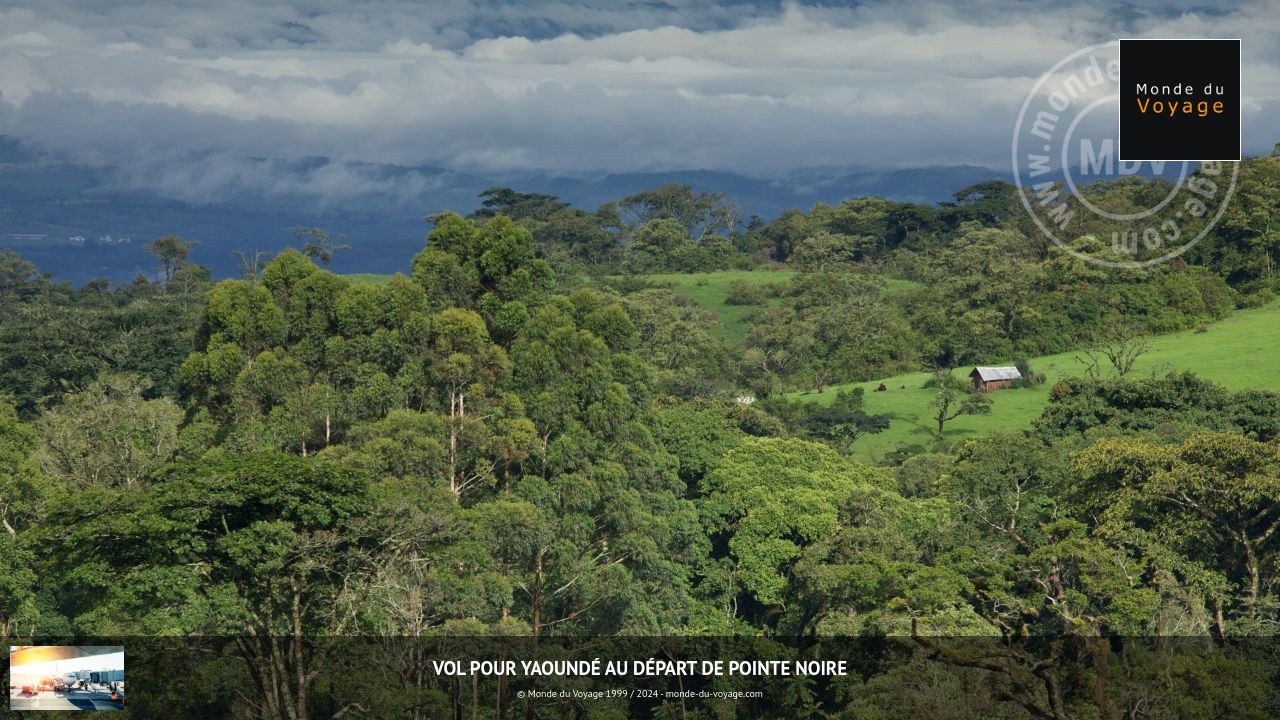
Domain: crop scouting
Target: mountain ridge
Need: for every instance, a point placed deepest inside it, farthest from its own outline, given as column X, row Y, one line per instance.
column 233, row 204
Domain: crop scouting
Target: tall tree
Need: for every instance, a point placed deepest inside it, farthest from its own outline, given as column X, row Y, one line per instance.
column 109, row 435
column 698, row 212
column 318, row 244
column 954, row 400
column 271, row 549
column 171, row 251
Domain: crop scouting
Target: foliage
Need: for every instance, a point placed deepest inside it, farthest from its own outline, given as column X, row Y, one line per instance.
column 109, row 435
column 498, row 445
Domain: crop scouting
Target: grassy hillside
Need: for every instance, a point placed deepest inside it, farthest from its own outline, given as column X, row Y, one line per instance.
column 709, row 290
column 370, row 278
column 1238, row 352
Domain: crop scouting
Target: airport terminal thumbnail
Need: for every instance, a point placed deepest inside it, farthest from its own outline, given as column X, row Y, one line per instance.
column 66, row 677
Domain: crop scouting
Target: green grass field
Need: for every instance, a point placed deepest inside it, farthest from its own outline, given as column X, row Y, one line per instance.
column 709, row 290
column 1238, row 352
column 369, row 278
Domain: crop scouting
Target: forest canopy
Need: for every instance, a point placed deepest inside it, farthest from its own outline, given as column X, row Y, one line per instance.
column 526, row 434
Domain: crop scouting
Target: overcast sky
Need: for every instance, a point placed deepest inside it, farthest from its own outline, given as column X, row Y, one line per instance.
column 754, row 87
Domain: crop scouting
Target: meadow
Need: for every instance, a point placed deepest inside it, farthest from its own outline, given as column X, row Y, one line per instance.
column 369, row 278
column 709, row 290
column 1238, row 352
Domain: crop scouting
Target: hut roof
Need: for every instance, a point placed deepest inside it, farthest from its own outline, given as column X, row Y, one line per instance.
column 996, row 373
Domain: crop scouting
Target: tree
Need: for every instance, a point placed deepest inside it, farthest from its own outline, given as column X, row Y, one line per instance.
column 952, row 402
column 18, row 586
column 50, row 345
column 517, row 205
column 1177, row 400
column 465, row 265
column 655, row 244
column 466, row 363
column 987, row 202
column 1122, row 342
column 879, row 570
column 1036, row 575
column 171, row 251
column 844, row 421
column 769, row 498
column 108, row 435
column 19, row 279
column 269, row 548
column 318, row 244
column 698, row 212
column 251, row 263
column 1212, row 502
column 578, row 234
column 824, row 251
column 244, row 313
column 24, row 493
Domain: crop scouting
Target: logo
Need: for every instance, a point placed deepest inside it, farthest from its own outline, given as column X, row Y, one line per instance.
column 1180, row 99
column 1087, row 201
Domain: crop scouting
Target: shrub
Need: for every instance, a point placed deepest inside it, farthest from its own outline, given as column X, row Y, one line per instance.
column 743, row 293
column 1255, row 299
column 1030, row 378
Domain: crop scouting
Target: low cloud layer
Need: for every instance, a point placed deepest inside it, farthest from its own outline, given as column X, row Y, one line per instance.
column 754, row 88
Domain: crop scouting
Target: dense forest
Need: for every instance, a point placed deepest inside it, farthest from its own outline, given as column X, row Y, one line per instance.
column 526, row 435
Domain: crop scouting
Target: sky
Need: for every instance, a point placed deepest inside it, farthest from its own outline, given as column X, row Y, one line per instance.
column 758, row 88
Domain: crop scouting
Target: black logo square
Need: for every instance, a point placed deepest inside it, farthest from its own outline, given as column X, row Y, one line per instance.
column 1179, row 99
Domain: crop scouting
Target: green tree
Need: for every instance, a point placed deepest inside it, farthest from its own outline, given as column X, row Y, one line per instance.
column 697, row 212
column 109, row 435
column 517, row 205
column 952, row 401
column 768, row 498
column 171, row 251
column 23, row 488
column 19, row 279
column 318, row 244
column 844, row 421
column 466, row 363
column 269, row 548
column 1211, row 503
column 246, row 314
column 467, row 266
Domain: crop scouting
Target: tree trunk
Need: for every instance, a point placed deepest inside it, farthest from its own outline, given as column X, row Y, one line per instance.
column 536, row 599
column 1100, row 648
column 1251, row 567
column 457, row 413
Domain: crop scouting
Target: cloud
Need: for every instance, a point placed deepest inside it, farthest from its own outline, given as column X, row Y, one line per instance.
column 756, row 88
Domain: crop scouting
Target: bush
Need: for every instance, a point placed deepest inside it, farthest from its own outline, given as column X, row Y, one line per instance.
column 1255, row 299
column 743, row 293
column 1030, row 378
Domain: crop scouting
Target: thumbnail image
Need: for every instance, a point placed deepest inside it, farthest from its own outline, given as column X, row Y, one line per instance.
column 66, row 677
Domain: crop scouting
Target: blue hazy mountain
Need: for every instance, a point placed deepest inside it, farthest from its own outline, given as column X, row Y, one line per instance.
column 81, row 221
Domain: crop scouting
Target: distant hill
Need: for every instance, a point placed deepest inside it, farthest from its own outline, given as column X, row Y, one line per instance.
column 230, row 204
